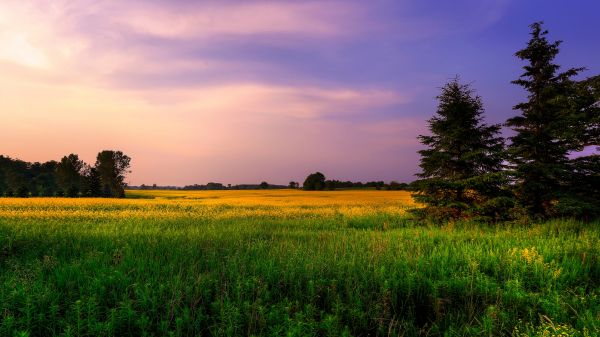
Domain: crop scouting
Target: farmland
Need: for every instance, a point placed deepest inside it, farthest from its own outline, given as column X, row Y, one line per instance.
column 286, row 262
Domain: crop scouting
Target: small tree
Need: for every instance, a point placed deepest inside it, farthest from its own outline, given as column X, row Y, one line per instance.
column 44, row 178
column 112, row 166
column 396, row 186
column 92, row 184
column 462, row 165
column 314, row 182
column 68, row 172
column 264, row 185
column 330, row 185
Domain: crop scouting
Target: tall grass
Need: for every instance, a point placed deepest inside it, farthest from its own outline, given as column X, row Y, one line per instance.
column 290, row 263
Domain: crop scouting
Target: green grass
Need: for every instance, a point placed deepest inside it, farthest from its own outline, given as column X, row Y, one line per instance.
column 293, row 275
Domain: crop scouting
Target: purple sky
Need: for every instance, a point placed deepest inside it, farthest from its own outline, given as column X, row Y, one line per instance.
column 245, row 91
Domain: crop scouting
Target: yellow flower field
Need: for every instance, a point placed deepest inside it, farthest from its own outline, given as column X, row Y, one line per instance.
column 214, row 204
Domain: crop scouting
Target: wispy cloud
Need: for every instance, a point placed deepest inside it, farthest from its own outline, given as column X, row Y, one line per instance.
column 213, row 19
column 217, row 81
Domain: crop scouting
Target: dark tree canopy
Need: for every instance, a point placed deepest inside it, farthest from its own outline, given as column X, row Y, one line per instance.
column 15, row 174
column 461, row 168
column 91, row 183
column 70, row 177
column 112, row 167
column 314, row 182
column 69, row 174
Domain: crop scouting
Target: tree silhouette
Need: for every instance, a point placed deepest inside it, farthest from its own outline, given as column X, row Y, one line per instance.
column 539, row 149
column 69, row 176
column 461, row 167
column 112, row 166
column 314, row 182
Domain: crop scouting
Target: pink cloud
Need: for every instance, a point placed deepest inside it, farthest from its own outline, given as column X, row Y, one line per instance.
column 62, row 62
column 243, row 18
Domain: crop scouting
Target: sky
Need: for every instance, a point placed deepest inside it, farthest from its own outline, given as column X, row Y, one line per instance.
column 242, row 91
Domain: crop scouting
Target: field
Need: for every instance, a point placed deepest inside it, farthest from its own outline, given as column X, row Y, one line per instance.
column 283, row 262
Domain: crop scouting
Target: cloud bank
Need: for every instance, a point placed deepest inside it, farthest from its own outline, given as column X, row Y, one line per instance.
column 230, row 91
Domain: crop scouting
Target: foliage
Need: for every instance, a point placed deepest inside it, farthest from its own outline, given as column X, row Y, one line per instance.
column 314, row 182
column 112, row 166
column 462, row 164
column 70, row 177
column 396, row 186
column 559, row 117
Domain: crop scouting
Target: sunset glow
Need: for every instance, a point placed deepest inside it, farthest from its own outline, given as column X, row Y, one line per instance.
column 244, row 91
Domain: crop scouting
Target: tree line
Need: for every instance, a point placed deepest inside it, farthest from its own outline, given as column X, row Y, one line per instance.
column 211, row 186
column 469, row 171
column 317, row 182
column 69, row 177
column 308, row 185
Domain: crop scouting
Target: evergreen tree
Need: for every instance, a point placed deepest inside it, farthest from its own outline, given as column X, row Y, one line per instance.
column 544, row 134
column 462, row 165
column 582, row 196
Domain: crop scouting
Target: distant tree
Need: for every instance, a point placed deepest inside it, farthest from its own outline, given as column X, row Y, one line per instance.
column 293, row 184
column 395, row 186
column 43, row 179
column 330, row 185
column 544, row 130
column 70, row 177
column 376, row 184
column 17, row 181
column 4, row 166
column 68, row 173
column 92, row 184
column 462, row 165
column 112, row 167
column 314, row 182
column 264, row 185
column 215, row 186
column 33, row 173
column 22, row 179
column 13, row 180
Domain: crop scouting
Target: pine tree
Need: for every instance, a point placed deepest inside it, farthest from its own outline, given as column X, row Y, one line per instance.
column 539, row 150
column 582, row 196
column 462, row 168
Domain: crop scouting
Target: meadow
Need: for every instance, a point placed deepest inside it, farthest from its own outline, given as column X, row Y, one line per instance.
column 287, row 263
